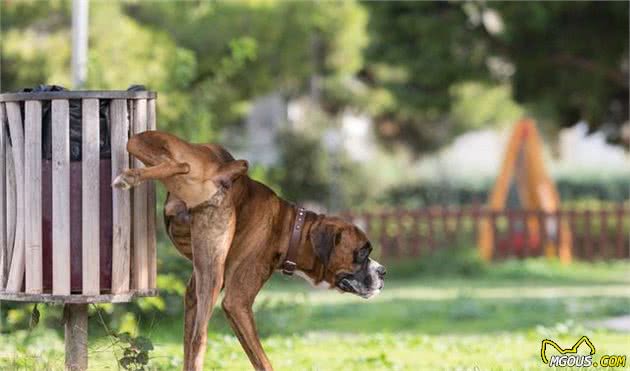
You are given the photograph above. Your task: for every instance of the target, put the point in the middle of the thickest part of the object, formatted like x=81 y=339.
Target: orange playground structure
x=523 y=167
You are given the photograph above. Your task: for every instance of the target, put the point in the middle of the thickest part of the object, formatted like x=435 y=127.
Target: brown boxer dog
x=239 y=232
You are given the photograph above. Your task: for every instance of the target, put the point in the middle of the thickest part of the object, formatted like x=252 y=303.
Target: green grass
x=492 y=320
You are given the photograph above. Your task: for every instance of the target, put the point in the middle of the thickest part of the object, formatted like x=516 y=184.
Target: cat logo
x=570 y=358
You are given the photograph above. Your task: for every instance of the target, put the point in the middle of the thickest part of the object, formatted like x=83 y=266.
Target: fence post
x=430 y=230
x=510 y=227
x=542 y=247
x=603 y=234
x=619 y=242
x=383 y=234
x=495 y=230
x=587 y=234
x=415 y=229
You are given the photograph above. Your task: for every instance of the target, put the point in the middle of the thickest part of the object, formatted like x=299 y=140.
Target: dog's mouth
x=366 y=282
x=350 y=285
x=345 y=284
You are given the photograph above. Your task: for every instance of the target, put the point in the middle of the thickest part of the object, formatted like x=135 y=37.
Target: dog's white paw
x=122 y=182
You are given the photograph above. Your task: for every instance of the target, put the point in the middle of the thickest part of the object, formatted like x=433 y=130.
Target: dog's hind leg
x=212 y=230
x=190 y=311
x=152 y=147
x=154 y=150
x=241 y=287
x=132 y=177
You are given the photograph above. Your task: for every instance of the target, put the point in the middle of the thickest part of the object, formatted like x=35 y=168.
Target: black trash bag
x=135 y=88
x=75 y=108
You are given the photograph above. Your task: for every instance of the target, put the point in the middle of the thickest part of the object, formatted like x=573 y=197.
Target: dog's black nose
x=381 y=271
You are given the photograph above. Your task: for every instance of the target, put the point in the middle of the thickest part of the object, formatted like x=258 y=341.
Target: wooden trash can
x=67 y=236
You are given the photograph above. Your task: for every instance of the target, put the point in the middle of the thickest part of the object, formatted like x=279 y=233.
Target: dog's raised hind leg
x=132 y=177
x=212 y=230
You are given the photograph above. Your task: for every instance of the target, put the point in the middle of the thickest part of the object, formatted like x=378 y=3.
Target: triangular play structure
x=523 y=165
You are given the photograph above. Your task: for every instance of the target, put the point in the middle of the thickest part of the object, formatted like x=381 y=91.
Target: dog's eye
x=363 y=253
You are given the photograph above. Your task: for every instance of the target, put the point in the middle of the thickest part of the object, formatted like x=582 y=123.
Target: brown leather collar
x=290 y=260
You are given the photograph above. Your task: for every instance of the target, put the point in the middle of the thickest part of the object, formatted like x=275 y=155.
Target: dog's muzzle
x=366 y=283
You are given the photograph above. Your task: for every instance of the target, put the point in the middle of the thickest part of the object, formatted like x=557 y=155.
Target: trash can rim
x=124 y=297
x=78 y=94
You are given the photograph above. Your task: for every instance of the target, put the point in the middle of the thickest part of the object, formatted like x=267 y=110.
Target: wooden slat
x=543 y=219
x=120 y=198
x=430 y=231
x=602 y=243
x=397 y=227
x=151 y=203
x=510 y=232
x=560 y=219
x=140 y=258
x=576 y=239
x=11 y=208
x=382 y=235
x=61 y=197
x=415 y=234
x=90 y=199
x=495 y=231
x=16 y=272
x=619 y=232
x=458 y=232
x=443 y=211
x=527 y=233
x=587 y=234
x=33 y=190
x=3 y=209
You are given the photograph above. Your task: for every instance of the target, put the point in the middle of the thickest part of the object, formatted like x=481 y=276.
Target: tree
x=273 y=44
x=566 y=61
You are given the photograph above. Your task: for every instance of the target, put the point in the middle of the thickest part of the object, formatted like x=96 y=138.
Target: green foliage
x=418 y=50
x=414 y=61
x=305 y=174
x=551 y=53
x=480 y=106
x=247 y=49
x=35 y=315
x=428 y=322
x=464 y=263
x=573 y=190
x=456 y=261
x=135 y=351
x=570 y=72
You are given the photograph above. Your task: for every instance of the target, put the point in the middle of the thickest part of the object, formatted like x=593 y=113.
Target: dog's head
x=344 y=250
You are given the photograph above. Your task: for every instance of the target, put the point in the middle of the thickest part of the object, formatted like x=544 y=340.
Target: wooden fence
x=595 y=234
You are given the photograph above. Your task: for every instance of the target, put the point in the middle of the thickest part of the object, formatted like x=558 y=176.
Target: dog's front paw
x=123 y=181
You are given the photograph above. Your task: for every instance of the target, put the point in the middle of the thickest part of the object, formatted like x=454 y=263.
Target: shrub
x=458 y=261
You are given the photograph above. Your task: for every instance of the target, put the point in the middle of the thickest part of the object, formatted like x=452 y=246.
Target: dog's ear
x=228 y=172
x=324 y=238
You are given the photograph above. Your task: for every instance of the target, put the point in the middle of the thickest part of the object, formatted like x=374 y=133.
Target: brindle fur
x=236 y=243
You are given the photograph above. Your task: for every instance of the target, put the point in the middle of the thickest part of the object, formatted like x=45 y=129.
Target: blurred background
x=398 y=116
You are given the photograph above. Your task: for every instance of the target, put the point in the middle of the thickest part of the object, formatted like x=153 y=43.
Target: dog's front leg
x=211 y=233
x=241 y=288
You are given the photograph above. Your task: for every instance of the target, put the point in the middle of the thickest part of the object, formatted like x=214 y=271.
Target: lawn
x=493 y=320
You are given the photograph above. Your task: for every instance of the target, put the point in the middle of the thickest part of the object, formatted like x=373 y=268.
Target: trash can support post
x=76 y=336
